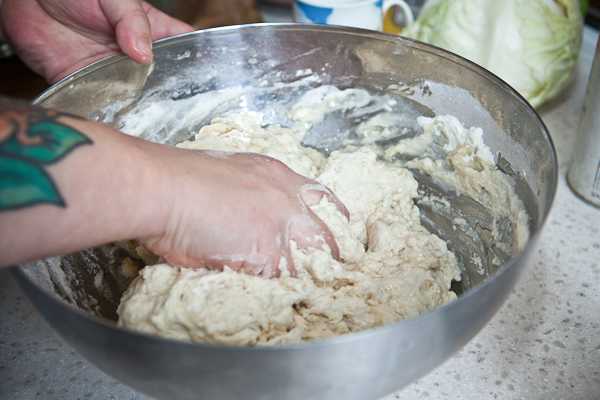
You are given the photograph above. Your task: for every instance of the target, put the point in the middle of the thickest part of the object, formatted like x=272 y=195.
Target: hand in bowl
x=239 y=210
x=193 y=208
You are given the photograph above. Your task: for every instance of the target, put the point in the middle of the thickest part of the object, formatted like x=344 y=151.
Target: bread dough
x=243 y=133
x=458 y=158
x=392 y=268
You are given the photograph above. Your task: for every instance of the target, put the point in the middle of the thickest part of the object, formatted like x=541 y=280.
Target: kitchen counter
x=543 y=344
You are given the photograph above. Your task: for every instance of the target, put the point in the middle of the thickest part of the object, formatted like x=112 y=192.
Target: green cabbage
x=531 y=44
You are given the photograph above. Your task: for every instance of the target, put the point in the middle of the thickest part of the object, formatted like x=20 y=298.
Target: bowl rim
x=348 y=337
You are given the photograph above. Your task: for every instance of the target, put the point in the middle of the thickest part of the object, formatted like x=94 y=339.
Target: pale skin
x=189 y=207
x=70 y=184
x=57 y=37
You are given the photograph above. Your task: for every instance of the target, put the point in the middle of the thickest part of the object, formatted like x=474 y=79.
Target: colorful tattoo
x=31 y=139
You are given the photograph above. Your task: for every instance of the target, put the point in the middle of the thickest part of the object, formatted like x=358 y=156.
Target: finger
x=239 y=265
x=286 y=257
x=162 y=25
x=132 y=28
x=180 y=260
x=315 y=235
x=327 y=236
x=271 y=268
x=219 y=264
x=313 y=193
x=266 y=268
x=338 y=203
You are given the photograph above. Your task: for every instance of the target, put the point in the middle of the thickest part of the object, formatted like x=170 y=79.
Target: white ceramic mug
x=366 y=14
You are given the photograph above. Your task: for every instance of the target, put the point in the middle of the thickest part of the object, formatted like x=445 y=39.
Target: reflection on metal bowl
x=78 y=294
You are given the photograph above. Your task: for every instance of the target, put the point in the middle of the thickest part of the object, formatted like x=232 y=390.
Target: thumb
x=131 y=26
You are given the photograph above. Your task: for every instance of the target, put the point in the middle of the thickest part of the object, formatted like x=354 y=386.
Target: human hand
x=57 y=37
x=74 y=184
x=239 y=210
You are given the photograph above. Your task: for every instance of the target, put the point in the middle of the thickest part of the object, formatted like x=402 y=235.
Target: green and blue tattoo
x=30 y=140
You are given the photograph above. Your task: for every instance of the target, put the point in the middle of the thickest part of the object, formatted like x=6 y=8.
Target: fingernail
x=144 y=48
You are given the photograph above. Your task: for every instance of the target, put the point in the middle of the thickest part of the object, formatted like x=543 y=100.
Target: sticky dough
x=392 y=268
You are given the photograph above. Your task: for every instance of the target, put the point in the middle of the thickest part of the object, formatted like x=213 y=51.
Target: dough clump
x=392 y=268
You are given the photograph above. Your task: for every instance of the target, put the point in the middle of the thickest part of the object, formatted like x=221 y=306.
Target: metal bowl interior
x=264 y=67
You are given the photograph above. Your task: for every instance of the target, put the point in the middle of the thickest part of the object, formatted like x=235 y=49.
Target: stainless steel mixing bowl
x=78 y=294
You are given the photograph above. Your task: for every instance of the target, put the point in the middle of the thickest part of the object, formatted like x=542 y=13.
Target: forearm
x=96 y=191
x=67 y=184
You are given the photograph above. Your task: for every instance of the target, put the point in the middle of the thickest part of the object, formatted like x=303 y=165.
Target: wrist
x=154 y=189
x=179 y=183
x=132 y=171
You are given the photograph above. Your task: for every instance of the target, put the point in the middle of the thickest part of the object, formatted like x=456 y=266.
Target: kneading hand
x=238 y=210
x=56 y=37
x=193 y=208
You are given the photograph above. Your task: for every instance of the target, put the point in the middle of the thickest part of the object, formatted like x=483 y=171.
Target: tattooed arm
x=67 y=183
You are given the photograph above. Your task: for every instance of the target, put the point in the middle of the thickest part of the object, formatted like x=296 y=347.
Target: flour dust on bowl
x=474 y=170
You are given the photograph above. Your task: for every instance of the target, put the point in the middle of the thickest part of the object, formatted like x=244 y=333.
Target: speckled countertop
x=543 y=344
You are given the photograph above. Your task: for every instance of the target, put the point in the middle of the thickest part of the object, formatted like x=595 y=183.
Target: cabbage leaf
x=531 y=44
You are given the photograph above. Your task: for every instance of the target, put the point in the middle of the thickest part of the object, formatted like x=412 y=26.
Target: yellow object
x=391 y=23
